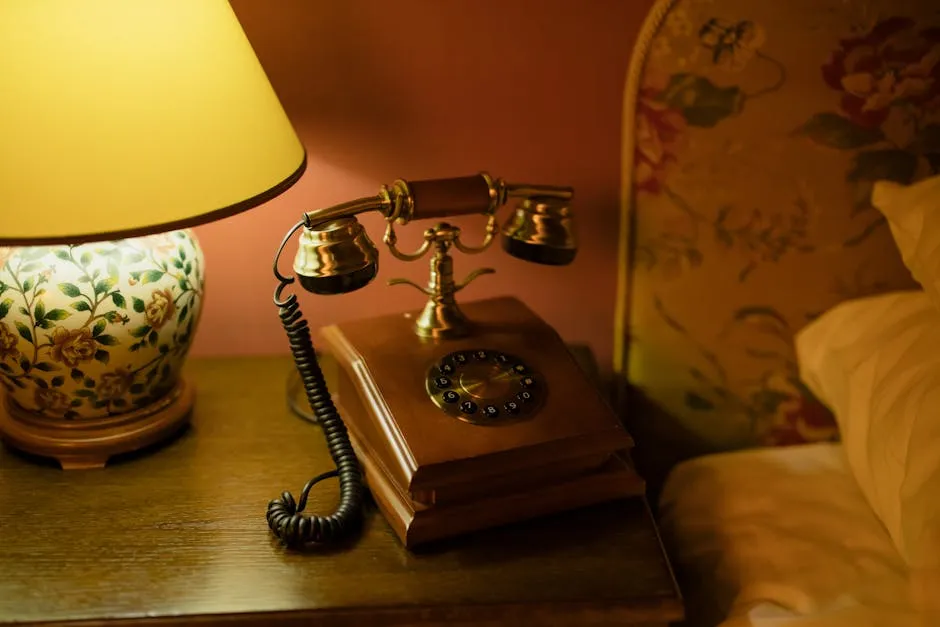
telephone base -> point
(416, 523)
(91, 443)
(436, 473)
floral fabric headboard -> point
(753, 132)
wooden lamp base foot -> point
(85, 444)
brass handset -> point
(335, 255)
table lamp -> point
(122, 124)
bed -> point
(779, 168)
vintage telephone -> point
(462, 418)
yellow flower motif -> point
(72, 346)
(160, 308)
(50, 401)
(115, 384)
(8, 342)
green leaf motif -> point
(5, 307)
(30, 267)
(62, 254)
(140, 331)
(183, 312)
(697, 402)
(32, 254)
(102, 356)
(24, 331)
(153, 337)
(701, 102)
(661, 310)
(118, 299)
(104, 285)
(80, 305)
(891, 164)
(139, 305)
(85, 259)
(70, 289)
(77, 375)
(150, 276)
(28, 284)
(85, 393)
(57, 382)
(25, 365)
(834, 131)
(98, 329)
(57, 314)
(45, 366)
(39, 311)
(107, 340)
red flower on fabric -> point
(894, 62)
(805, 420)
(658, 130)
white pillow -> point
(876, 363)
(913, 214)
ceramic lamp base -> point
(85, 444)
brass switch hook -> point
(336, 255)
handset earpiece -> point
(541, 230)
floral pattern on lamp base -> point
(96, 330)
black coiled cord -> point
(285, 516)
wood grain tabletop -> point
(177, 535)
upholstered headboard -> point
(753, 131)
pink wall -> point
(529, 90)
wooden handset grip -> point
(440, 198)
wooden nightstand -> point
(177, 536)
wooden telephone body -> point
(434, 475)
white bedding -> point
(782, 537)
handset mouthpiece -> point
(335, 257)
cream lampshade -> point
(122, 124)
